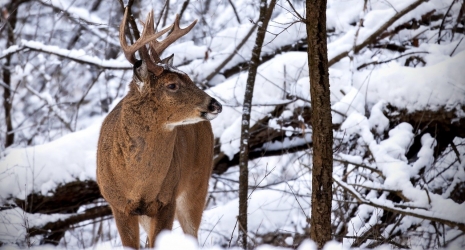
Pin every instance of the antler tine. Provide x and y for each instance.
(177, 33)
(146, 37)
(149, 26)
(122, 40)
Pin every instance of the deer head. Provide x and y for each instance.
(162, 88)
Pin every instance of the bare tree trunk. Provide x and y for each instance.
(320, 226)
(7, 98)
(265, 15)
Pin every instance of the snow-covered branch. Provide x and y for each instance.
(415, 212)
(79, 56)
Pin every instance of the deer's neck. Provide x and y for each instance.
(148, 144)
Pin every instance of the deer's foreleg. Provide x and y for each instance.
(128, 228)
(161, 221)
(189, 209)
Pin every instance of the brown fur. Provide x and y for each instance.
(149, 167)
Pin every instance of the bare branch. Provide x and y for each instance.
(235, 11)
(231, 56)
(389, 60)
(183, 8)
(359, 165)
(51, 106)
(441, 27)
(295, 11)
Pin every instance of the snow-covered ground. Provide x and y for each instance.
(281, 201)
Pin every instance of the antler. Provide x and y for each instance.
(146, 37)
(149, 36)
(156, 47)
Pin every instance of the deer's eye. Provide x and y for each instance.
(172, 86)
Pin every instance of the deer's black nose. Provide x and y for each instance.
(215, 106)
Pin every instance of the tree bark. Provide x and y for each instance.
(265, 15)
(6, 68)
(322, 136)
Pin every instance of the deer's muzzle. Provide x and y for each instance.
(214, 108)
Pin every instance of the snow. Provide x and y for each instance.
(378, 121)
(374, 166)
(389, 155)
(41, 168)
(425, 156)
(352, 101)
(269, 85)
(430, 87)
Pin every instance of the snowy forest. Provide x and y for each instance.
(397, 84)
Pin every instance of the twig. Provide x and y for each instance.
(78, 104)
(441, 27)
(264, 177)
(12, 15)
(392, 6)
(232, 234)
(295, 11)
(360, 165)
(392, 59)
(457, 20)
(351, 56)
(51, 107)
(453, 239)
(245, 231)
(235, 11)
(167, 9)
(454, 148)
(183, 8)
(453, 51)
(295, 197)
(211, 230)
(222, 64)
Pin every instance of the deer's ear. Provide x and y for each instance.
(141, 74)
(168, 60)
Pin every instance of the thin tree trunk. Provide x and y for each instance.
(265, 15)
(7, 98)
(320, 226)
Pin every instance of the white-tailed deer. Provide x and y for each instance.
(155, 150)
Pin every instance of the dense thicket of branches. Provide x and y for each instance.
(60, 78)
